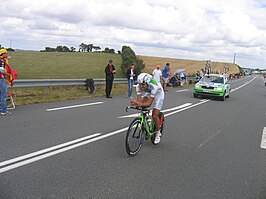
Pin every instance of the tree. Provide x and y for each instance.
(96, 48)
(82, 47)
(129, 57)
(72, 49)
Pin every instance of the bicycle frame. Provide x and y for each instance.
(144, 115)
(149, 128)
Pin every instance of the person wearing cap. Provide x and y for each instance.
(109, 78)
(3, 83)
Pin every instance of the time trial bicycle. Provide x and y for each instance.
(141, 127)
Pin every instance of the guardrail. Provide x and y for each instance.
(24, 83)
(61, 82)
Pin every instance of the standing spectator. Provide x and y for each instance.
(202, 73)
(157, 74)
(197, 76)
(3, 83)
(109, 74)
(166, 75)
(131, 77)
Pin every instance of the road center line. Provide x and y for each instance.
(208, 139)
(61, 150)
(263, 139)
(174, 112)
(30, 155)
(74, 106)
(182, 90)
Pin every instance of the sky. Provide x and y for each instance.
(213, 30)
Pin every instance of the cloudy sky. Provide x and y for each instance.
(188, 29)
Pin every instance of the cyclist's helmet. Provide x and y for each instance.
(144, 78)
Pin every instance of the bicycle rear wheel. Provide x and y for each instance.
(134, 137)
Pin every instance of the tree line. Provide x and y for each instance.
(82, 48)
(128, 55)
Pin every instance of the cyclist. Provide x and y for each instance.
(153, 92)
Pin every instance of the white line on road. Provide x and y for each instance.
(46, 155)
(182, 90)
(208, 139)
(74, 106)
(263, 139)
(46, 150)
(235, 89)
(202, 102)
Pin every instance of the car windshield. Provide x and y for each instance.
(213, 79)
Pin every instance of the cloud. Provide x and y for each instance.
(171, 28)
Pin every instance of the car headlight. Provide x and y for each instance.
(219, 88)
(197, 86)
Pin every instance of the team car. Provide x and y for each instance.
(212, 85)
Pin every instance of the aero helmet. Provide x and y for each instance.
(144, 78)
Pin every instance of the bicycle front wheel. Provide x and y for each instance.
(134, 137)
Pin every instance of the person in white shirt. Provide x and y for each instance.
(157, 74)
(131, 77)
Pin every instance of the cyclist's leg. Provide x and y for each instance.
(155, 116)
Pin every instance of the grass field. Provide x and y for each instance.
(54, 65)
(191, 66)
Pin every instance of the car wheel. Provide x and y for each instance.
(195, 95)
(223, 97)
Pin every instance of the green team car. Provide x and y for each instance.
(212, 85)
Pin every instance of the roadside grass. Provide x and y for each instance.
(61, 93)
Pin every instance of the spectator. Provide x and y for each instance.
(157, 74)
(202, 73)
(131, 77)
(109, 74)
(3, 82)
(166, 75)
(183, 78)
(197, 76)
(175, 81)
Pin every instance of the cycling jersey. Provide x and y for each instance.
(155, 90)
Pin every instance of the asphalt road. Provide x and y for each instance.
(210, 149)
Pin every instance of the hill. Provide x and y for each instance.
(191, 66)
(55, 65)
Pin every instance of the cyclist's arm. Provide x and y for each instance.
(143, 101)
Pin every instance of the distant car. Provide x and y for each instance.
(212, 85)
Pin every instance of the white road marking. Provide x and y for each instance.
(235, 89)
(263, 139)
(208, 139)
(46, 150)
(52, 153)
(182, 90)
(74, 106)
(202, 102)
(166, 110)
